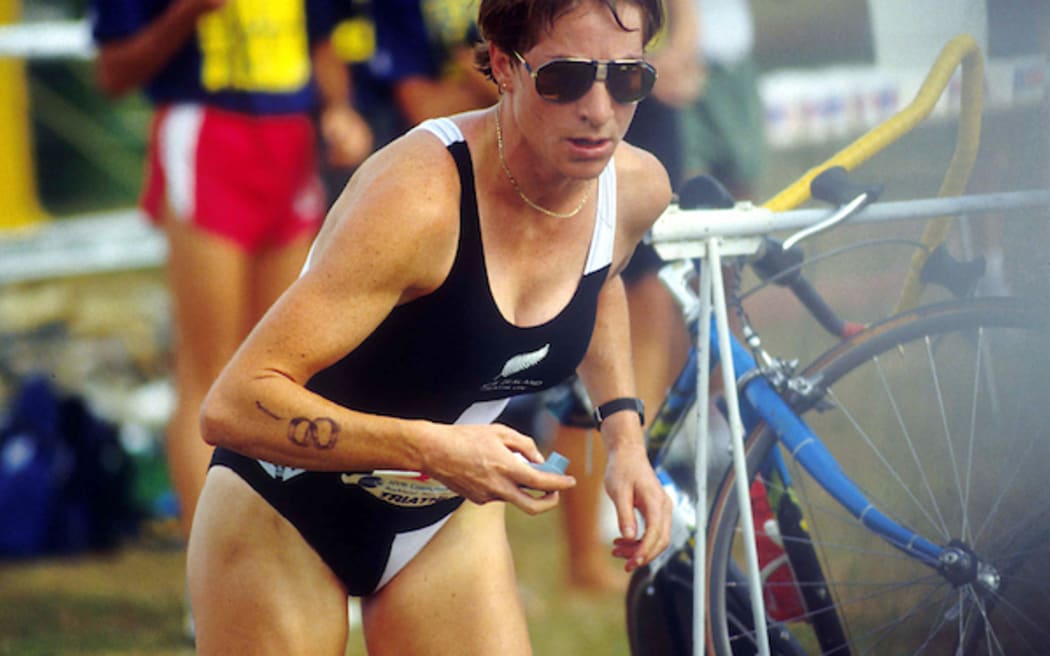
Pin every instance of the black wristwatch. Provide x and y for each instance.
(602, 412)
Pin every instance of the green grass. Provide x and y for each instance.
(126, 602)
(131, 601)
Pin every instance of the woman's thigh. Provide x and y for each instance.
(255, 586)
(458, 597)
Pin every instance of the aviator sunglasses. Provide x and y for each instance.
(567, 79)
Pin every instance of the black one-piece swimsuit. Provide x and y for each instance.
(448, 357)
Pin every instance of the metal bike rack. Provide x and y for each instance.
(712, 235)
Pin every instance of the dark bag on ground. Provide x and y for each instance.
(65, 479)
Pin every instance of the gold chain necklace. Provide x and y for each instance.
(521, 194)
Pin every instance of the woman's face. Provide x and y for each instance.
(577, 138)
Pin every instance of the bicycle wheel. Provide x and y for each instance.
(940, 416)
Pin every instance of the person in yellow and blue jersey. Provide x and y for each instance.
(232, 168)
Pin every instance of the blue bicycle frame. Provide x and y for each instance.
(759, 402)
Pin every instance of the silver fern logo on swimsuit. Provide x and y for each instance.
(524, 361)
(515, 365)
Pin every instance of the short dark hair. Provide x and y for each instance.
(518, 25)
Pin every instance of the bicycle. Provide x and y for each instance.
(909, 548)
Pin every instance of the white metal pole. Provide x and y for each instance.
(703, 386)
(736, 430)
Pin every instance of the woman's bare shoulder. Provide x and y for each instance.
(399, 211)
(643, 187)
(413, 171)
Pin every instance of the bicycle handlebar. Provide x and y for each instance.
(826, 183)
(780, 263)
(681, 234)
(835, 187)
(962, 50)
(780, 266)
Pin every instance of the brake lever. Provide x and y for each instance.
(833, 186)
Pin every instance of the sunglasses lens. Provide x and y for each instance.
(629, 82)
(564, 81)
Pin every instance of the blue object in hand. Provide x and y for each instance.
(556, 463)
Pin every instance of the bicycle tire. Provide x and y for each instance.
(971, 470)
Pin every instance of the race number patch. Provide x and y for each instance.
(401, 488)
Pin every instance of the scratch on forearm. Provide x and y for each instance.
(266, 411)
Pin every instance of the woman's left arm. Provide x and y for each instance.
(608, 374)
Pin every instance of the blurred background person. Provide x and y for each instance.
(420, 66)
(658, 123)
(424, 55)
(232, 169)
(723, 129)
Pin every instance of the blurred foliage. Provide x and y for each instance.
(89, 149)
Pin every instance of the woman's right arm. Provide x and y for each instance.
(390, 237)
(126, 64)
(381, 245)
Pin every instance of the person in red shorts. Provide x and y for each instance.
(232, 172)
